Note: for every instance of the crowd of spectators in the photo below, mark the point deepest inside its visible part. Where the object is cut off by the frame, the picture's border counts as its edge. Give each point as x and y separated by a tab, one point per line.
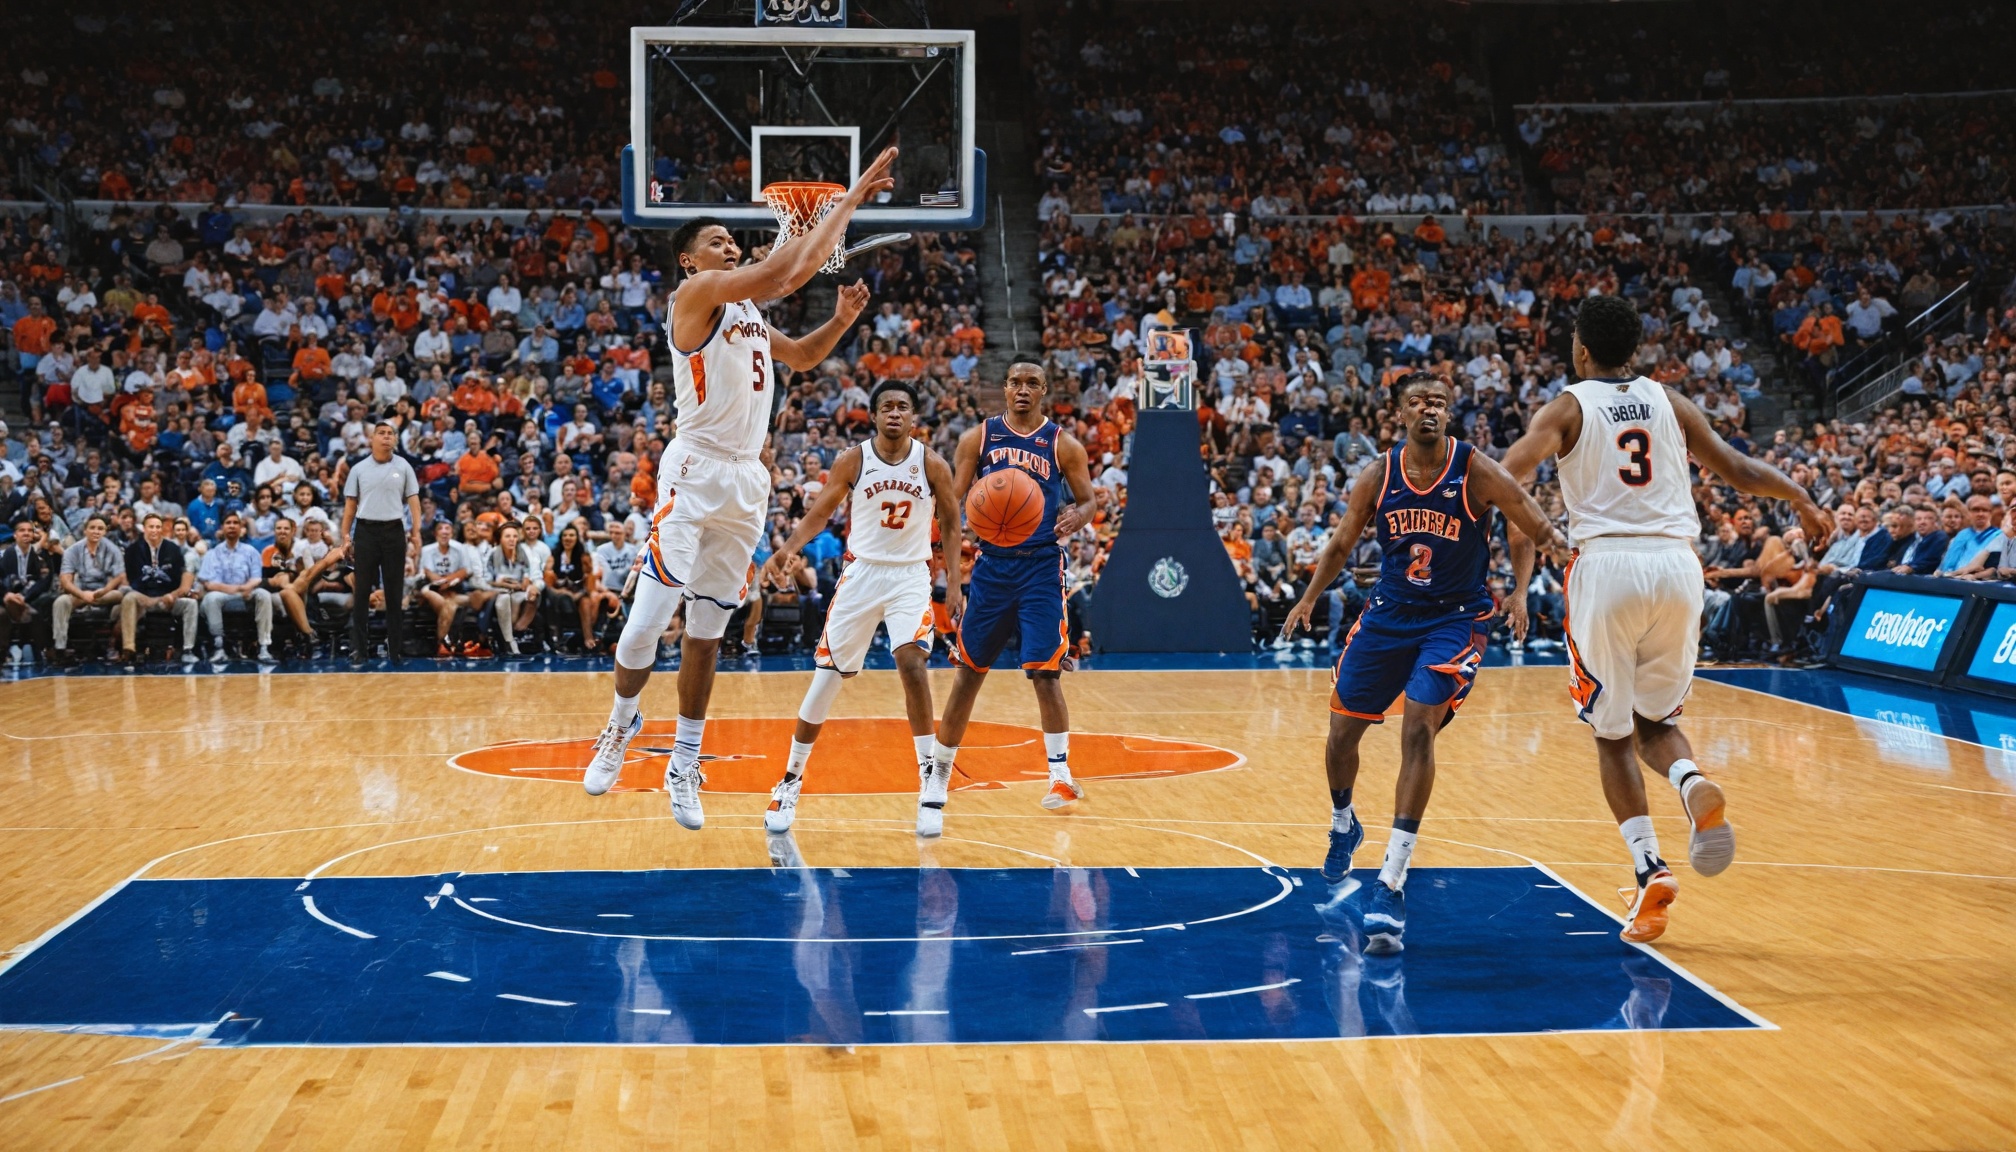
1276	114
502	105
1736	49
224	373
1730	157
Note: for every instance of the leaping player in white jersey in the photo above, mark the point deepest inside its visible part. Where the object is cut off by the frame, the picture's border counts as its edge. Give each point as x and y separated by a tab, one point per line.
713	486
896	487
1634	585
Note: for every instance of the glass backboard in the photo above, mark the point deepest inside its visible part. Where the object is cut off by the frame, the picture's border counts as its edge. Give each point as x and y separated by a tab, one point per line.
717	113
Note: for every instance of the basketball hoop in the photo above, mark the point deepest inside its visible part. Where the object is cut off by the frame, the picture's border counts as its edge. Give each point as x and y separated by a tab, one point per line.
798	206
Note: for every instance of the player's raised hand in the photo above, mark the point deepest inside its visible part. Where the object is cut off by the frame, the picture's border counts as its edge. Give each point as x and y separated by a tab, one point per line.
850	300
874	179
773	568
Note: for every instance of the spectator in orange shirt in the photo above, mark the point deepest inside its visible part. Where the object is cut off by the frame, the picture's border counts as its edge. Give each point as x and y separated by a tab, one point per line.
137	426
311	364
249	394
32	334
477	470
153	312
1370	287
1820	337
475	397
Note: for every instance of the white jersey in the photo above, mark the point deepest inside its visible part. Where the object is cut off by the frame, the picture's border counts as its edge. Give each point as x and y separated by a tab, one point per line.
723	389
1627	474
890	512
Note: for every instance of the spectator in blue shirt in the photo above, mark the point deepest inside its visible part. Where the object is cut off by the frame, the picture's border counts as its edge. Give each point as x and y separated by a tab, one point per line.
538	347
206	511
1948	481
1294	304
1924	548
233	581
1979	535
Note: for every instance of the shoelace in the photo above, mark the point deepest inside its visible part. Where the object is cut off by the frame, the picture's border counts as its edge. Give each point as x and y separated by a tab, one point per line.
610	735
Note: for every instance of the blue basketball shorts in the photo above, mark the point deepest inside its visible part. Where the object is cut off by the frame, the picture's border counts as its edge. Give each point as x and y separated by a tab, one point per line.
1010	597
1430	655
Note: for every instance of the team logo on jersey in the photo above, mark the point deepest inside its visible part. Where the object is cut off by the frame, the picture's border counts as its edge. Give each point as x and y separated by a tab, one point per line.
1448	493
1041	442
1623	387
913	469
1168	578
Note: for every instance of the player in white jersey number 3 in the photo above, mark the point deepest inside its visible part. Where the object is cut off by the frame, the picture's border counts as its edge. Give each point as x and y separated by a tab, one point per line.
1634	586
713	486
895	487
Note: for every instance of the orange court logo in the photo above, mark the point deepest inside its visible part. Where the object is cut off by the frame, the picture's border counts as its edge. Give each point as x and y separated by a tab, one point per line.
853	757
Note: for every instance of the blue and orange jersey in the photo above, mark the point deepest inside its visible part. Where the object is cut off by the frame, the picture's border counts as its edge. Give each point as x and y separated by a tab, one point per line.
1435	550
1003	447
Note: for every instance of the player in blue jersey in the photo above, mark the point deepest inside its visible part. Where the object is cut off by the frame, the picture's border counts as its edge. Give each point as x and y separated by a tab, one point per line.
1018	591
1424	628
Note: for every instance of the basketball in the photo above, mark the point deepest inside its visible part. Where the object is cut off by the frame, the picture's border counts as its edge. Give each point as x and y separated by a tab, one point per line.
1005	508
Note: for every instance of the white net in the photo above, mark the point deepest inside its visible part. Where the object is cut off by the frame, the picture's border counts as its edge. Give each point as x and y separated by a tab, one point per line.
799	206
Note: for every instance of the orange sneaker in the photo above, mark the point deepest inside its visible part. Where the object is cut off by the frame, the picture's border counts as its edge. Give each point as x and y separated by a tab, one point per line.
477	650
1062	792
1711	844
443	652
1645	921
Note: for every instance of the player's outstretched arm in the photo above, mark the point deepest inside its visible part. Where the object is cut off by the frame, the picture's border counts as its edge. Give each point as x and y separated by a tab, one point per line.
946	507
1337	550
1741	472
1555	429
789	265
804	353
1077	474
1526	523
966	460
839	483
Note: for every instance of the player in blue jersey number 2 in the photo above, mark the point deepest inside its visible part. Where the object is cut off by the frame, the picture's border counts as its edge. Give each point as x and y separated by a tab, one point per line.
1424	628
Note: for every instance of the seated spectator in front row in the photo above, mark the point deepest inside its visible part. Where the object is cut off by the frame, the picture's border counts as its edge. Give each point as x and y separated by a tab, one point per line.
233	582
93	576
27	588
160	581
1969	534
1924	549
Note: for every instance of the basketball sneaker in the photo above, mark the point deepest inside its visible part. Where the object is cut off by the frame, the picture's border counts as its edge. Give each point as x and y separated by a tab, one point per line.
1385	920
1337	864
1645	920
1711	844
684	788
607	762
933	781
783	804
1063	789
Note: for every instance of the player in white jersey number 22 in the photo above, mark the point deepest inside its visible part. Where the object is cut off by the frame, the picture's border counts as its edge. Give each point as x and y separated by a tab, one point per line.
1634	585
895	487
713	486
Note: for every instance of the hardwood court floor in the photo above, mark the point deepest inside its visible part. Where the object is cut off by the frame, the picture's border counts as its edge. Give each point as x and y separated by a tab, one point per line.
1867	917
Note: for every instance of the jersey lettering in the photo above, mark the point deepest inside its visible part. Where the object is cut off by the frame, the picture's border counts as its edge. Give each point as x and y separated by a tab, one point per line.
1636	444
895	515
1408	521
759	365
1020	458
1421	565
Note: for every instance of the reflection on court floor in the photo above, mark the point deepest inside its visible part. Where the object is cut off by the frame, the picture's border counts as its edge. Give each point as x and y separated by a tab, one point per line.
832	956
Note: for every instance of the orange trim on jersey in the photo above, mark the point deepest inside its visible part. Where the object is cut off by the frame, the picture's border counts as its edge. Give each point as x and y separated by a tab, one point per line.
1456	665
698	363
1582	687
924	631
1447	463
1381	719
1469	461
1056	661
657	557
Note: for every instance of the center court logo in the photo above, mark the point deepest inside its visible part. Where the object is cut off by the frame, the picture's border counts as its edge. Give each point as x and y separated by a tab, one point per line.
1905	629
1168	578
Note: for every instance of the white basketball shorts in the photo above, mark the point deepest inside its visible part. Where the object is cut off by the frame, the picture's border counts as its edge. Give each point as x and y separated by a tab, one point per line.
1634	628
704	533
898	595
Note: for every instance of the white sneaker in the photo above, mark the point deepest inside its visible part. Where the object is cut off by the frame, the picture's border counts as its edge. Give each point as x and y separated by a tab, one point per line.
1711	840
217	653
783	805
933	782
190	657
266	654
1063	789
607	762
684	788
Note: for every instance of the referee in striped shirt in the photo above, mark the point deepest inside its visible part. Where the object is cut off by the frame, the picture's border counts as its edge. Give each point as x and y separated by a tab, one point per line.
375	540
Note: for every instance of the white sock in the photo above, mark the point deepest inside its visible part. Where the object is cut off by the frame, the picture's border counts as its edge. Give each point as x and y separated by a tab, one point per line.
1399	851
800	753
1679	772
1644	845
943	755
1057	747
686	745
624	711
1343	819
924	746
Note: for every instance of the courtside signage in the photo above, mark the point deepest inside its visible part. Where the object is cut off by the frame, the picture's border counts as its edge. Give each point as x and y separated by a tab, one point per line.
1903	629
1995	655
